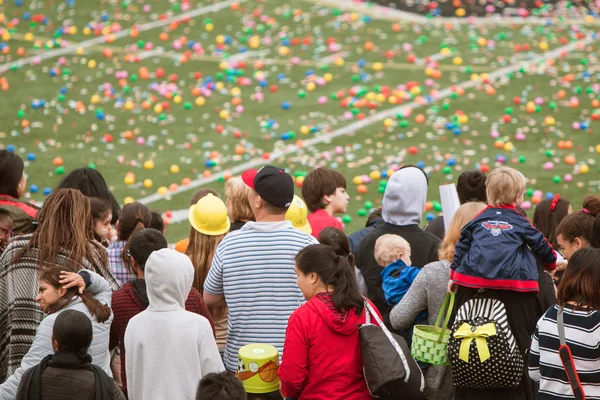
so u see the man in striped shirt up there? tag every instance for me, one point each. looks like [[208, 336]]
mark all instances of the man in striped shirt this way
[[253, 268]]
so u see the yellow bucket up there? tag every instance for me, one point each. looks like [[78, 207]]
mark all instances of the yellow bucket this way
[[257, 368]]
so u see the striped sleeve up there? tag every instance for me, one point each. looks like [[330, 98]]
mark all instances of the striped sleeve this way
[[534, 357]]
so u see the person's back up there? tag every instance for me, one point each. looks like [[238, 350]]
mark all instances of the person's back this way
[[168, 348]]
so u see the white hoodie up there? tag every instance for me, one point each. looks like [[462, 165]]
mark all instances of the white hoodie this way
[[168, 349]]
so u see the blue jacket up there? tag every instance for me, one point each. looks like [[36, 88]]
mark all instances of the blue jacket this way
[[496, 251], [397, 278]]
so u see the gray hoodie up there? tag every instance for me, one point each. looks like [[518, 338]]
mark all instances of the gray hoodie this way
[[405, 196], [167, 348]]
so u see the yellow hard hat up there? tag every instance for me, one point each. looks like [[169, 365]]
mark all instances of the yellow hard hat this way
[[297, 213], [209, 216]]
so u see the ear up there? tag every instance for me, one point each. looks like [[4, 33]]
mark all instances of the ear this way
[[313, 277], [55, 345], [326, 199], [62, 291], [259, 202], [578, 243], [118, 226]]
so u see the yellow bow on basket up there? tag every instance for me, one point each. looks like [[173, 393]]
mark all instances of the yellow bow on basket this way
[[480, 334]]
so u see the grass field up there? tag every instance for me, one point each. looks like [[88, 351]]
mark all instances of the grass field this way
[[297, 85]]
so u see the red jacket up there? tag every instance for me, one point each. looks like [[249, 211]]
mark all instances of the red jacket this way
[[320, 220], [127, 303], [321, 353]]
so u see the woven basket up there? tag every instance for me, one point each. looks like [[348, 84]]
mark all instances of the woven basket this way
[[430, 343]]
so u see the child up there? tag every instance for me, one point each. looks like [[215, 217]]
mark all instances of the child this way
[[157, 222], [392, 252], [324, 191], [6, 227], [579, 295], [102, 215], [496, 250], [221, 386]]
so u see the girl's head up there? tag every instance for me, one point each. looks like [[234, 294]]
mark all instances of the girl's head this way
[[319, 269], [134, 217], [102, 215], [92, 184], [581, 281], [65, 223], [12, 174], [52, 296], [236, 200], [548, 214], [72, 332], [463, 216], [575, 230], [338, 241]]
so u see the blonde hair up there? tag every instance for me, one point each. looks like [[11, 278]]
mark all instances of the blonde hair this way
[[236, 193], [387, 248], [463, 216], [504, 185], [201, 250]]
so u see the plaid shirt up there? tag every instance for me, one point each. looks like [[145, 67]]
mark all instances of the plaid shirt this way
[[117, 266]]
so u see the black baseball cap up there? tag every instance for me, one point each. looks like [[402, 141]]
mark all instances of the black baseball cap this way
[[273, 184]]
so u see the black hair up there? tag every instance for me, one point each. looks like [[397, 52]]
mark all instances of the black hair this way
[[4, 213], [157, 221], [73, 332], [471, 186], [581, 281], [221, 386], [92, 184], [374, 216], [595, 242], [144, 243], [11, 172], [333, 270], [547, 220], [338, 241]]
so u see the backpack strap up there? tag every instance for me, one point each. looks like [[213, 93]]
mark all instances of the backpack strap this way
[[567, 358]]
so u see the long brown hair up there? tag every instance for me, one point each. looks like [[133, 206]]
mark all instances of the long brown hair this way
[[201, 250], [134, 217], [51, 275], [66, 225], [581, 281]]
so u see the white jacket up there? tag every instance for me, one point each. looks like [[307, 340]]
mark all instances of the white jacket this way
[[167, 348], [42, 344]]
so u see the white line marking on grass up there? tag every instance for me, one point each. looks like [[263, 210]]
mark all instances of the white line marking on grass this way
[[333, 57], [100, 40], [357, 125], [147, 54], [433, 57]]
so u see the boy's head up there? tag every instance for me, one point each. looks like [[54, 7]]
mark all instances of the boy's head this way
[[157, 222], [6, 225], [144, 243], [390, 248], [471, 186], [505, 186], [222, 386], [324, 188], [72, 332]]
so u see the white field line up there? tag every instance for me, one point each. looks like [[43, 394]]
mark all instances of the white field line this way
[[387, 13], [433, 57], [355, 126], [100, 40], [151, 53], [333, 57]]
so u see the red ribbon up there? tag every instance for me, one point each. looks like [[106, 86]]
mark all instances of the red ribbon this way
[[554, 201]]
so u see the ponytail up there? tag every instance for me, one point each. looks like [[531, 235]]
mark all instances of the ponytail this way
[[134, 217], [333, 270], [100, 311]]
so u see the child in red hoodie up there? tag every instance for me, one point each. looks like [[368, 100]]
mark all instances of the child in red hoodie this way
[[321, 353], [324, 191]]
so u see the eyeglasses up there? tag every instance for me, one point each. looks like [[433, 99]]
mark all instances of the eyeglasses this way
[[128, 253]]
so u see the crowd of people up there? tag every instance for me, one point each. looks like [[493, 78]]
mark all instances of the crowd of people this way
[[95, 303]]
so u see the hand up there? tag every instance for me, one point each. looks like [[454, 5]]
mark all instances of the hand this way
[[72, 279], [560, 267], [452, 287]]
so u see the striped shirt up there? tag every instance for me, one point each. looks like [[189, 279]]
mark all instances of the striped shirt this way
[[117, 266], [582, 333], [254, 269]]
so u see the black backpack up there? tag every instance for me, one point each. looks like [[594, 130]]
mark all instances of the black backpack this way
[[482, 349]]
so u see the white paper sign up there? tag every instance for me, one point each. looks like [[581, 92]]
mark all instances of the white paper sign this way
[[450, 203]]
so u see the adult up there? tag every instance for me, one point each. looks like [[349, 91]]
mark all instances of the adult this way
[[182, 245], [91, 183], [210, 223], [59, 290], [69, 373], [132, 298], [547, 216], [168, 348], [12, 186], [253, 268], [575, 230], [427, 293], [322, 358], [134, 217], [236, 200], [65, 237], [373, 221], [469, 187], [402, 208]]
